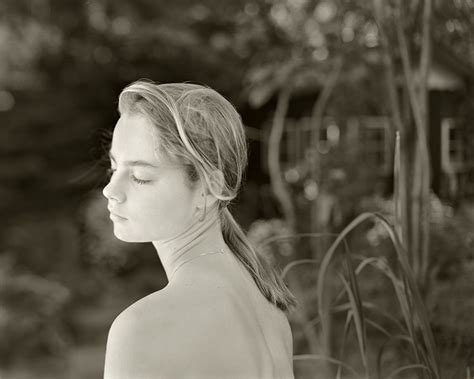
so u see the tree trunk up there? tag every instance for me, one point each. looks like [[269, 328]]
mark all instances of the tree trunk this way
[[400, 168], [279, 186], [425, 64], [315, 163], [420, 196], [282, 194]]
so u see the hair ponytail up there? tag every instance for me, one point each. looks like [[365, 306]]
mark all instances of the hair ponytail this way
[[265, 276]]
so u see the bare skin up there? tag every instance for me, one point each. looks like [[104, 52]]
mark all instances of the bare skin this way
[[207, 324], [211, 320]]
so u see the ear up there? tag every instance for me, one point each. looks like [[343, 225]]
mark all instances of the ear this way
[[217, 185]]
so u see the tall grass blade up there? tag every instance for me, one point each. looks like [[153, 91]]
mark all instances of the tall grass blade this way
[[378, 327], [358, 318], [408, 367], [397, 190], [347, 325], [298, 262], [367, 305]]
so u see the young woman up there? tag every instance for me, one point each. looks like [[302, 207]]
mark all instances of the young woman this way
[[178, 155]]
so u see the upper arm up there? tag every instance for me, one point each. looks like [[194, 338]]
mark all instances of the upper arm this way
[[133, 348], [123, 349]]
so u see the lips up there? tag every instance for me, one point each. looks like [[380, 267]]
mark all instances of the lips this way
[[116, 217]]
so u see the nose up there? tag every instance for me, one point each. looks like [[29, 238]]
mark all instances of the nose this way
[[111, 192]]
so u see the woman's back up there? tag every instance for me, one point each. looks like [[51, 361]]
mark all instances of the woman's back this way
[[260, 325], [216, 326]]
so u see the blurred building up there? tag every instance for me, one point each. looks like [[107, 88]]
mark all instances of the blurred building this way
[[364, 141]]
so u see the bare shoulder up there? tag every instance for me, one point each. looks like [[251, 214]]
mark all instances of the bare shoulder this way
[[130, 341], [165, 309], [174, 332]]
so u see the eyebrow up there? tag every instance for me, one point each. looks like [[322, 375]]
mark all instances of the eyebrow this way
[[134, 163]]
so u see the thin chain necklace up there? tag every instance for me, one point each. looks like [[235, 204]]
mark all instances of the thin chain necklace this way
[[221, 251]]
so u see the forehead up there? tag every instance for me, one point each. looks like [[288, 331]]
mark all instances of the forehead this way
[[134, 137]]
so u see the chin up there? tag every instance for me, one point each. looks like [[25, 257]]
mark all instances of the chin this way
[[138, 233], [130, 238]]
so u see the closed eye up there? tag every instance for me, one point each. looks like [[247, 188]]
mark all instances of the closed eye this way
[[136, 180], [110, 172]]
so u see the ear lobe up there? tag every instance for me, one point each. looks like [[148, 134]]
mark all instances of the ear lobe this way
[[201, 200]]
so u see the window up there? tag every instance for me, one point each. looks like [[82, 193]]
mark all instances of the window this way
[[453, 146], [364, 137], [457, 156], [297, 139], [375, 143]]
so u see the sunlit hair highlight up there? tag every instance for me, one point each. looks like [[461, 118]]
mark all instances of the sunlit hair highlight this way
[[199, 129]]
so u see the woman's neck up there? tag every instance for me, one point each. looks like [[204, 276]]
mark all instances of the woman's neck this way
[[199, 238]]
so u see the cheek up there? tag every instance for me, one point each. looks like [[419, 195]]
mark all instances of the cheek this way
[[167, 208]]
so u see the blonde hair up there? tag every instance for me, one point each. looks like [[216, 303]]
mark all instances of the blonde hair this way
[[200, 130]]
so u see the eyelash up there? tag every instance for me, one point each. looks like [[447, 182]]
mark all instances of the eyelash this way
[[110, 172]]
